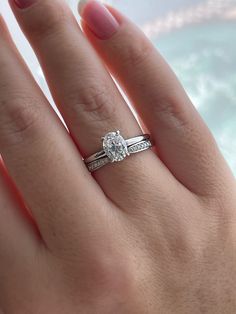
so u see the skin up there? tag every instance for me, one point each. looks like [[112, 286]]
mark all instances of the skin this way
[[153, 234]]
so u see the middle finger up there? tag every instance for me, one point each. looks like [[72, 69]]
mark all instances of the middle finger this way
[[83, 90]]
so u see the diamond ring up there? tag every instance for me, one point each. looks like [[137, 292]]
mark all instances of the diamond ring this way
[[116, 148]]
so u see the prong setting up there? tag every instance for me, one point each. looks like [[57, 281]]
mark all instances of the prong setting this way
[[115, 146]]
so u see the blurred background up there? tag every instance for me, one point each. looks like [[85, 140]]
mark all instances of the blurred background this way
[[198, 39]]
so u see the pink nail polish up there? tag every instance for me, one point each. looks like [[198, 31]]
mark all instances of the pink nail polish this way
[[98, 18], [22, 4]]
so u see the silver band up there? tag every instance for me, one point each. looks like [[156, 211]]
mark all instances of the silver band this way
[[130, 146]]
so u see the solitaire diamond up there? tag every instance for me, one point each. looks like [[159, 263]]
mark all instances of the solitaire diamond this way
[[115, 146]]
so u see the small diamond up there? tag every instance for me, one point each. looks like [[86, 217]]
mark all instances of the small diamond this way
[[115, 146]]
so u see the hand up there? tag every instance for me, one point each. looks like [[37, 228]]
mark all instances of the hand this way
[[154, 233]]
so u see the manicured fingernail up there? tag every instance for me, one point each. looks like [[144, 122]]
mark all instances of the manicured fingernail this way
[[98, 18], [22, 4]]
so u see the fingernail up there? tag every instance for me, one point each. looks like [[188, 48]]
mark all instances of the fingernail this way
[[22, 4], [98, 18]]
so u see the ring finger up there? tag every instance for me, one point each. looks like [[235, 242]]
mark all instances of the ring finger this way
[[83, 90]]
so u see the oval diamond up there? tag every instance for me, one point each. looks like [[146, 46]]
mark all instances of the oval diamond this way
[[115, 146]]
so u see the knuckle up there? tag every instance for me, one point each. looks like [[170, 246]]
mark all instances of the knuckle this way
[[170, 107], [136, 53], [19, 116], [173, 113], [44, 19], [94, 102]]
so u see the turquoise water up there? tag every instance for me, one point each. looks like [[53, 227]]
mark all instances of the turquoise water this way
[[204, 58]]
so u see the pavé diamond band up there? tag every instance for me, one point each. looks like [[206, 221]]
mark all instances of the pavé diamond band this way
[[116, 148]]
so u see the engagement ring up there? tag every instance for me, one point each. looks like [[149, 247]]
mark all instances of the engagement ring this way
[[116, 148]]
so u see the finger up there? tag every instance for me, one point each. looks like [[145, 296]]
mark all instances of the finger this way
[[83, 90], [183, 141], [20, 243], [18, 235], [39, 154]]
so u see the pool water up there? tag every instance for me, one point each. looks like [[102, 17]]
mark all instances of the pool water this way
[[204, 58]]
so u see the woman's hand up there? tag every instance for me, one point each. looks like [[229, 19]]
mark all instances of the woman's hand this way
[[154, 233]]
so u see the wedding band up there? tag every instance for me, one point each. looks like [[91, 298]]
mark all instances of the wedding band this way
[[116, 148]]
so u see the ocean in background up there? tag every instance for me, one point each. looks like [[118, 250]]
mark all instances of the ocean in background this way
[[204, 58]]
